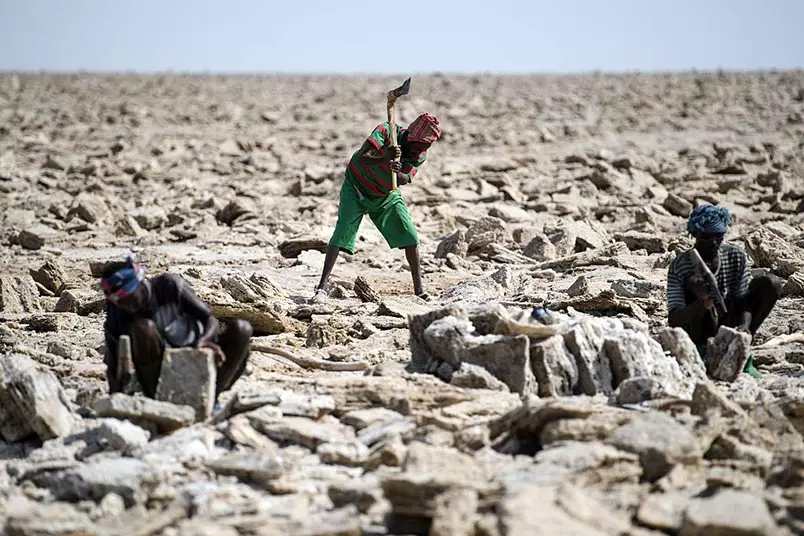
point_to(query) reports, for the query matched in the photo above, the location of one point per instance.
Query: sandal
(423, 296)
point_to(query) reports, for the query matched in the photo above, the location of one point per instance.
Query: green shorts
(389, 214)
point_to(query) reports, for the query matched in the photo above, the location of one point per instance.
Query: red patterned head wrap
(424, 129)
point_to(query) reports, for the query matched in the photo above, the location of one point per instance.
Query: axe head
(404, 89)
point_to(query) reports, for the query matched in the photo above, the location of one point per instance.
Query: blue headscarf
(709, 219)
(123, 282)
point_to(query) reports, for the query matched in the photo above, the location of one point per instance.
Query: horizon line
(432, 73)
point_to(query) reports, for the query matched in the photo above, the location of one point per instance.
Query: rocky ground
(387, 414)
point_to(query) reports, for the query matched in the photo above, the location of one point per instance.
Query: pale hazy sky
(413, 36)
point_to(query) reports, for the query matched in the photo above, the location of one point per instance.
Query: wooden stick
(392, 128)
(310, 363)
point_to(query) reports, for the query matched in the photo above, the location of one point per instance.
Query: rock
(540, 248)
(663, 511)
(301, 431)
(239, 209)
(633, 354)
(51, 276)
(31, 401)
(778, 255)
(167, 416)
(81, 302)
(561, 510)
(363, 418)
(476, 377)
(363, 493)
(260, 466)
(594, 369)
(364, 291)
(727, 354)
(253, 289)
(352, 453)
(18, 295)
(428, 472)
(240, 432)
(562, 236)
(230, 148)
(47, 519)
(283, 402)
(188, 378)
(659, 441)
(127, 477)
(554, 367)
(587, 237)
(52, 322)
(640, 389)
(707, 397)
(88, 207)
(35, 238)
(728, 512)
(454, 513)
(630, 288)
(128, 226)
(794, 286)
(292, 248)
(484, 232)
(507, 357)
(678, 344)
(122, 435)
(149, 217)
(455, 244)
(636, 240)
(385, 431)
(447, 339)
(578, 288)
(677, 206)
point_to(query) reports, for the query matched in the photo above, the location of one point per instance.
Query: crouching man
(164, 312)
(690, 302)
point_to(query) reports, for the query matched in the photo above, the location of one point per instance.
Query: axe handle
(392, 129)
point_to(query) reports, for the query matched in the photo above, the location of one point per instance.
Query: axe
(703, 271)
(394, 94)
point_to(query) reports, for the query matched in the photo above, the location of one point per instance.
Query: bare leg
(329, 264)
(234, 341)
(412, 255)
(763, 293)
(146, 353)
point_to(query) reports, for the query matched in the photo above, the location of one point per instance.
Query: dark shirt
(170, 300)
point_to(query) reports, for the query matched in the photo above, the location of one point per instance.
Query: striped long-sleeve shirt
(375, 180)
(732, 275)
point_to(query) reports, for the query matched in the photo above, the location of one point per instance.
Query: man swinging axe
(388, 158)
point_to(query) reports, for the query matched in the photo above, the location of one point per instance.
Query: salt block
(188, 378)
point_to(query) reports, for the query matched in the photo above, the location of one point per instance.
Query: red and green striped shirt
(375, 180)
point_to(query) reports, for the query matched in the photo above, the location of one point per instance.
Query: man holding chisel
(701, 297)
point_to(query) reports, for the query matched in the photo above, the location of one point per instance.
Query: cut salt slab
(188, 378)
(727, 354)
(31, 401)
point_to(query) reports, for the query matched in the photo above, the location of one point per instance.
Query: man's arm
(371, 156)
(406, 169)
(201, 311)
(110, 359)
(679, 312)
